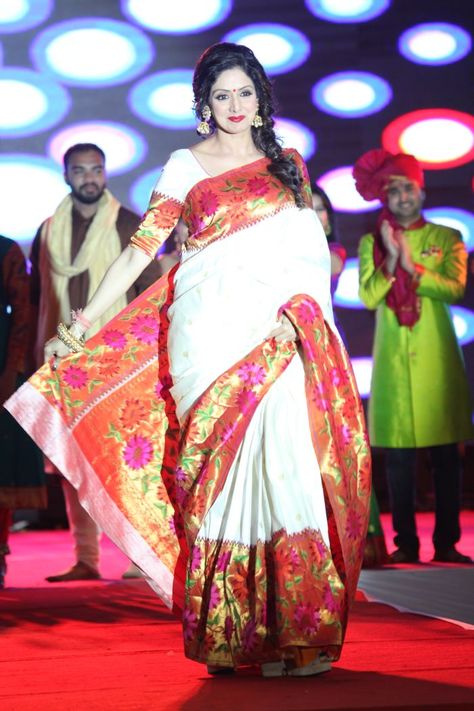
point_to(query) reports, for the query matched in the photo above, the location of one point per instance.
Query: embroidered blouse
(213, 207)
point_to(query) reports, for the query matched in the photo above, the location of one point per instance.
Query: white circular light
(30, 102)
(349, 94)
(172, 100)
(463, 321)
(92, 51)
(435, 43)
(363, 374)
(20, 15)
(280, 48)
(437, 140)
(107, 54)
(347, 10)
(347, 292)
(432, 44)
(178, 17)
(46, 188)
(22, 103)
(294, 135)
(454, 217)
(165, 99)
(123, 147)
(340, 187)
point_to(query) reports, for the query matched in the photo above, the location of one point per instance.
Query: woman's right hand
(54, 348)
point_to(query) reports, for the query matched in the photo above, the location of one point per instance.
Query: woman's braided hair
(226, 55)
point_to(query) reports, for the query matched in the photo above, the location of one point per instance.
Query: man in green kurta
(410, 271)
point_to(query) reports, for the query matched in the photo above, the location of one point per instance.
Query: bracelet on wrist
(75, 345)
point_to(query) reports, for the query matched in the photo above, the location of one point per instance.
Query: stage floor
(111, 644)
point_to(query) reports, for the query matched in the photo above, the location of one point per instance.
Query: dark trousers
(446, 467)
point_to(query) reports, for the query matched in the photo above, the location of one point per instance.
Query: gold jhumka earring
(257, 121)
(204, 128)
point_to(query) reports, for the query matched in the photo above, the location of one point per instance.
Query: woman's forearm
(117, 280)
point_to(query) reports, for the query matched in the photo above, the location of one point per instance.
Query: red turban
(373, 171)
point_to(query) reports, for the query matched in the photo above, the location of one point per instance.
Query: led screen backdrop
(349, 75)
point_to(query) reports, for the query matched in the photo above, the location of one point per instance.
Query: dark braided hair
(226, 55)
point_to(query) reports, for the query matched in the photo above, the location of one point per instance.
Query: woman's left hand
(285, 331)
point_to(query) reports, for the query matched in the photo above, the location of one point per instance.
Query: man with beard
(70, 254)
(410, 272)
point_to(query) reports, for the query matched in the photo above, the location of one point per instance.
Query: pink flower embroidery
(295, 558)
(307, 311)
(209, 202)
(319, 398)
(180, 474)
(145, 329)
(228, 431)
(330, 601)
(196, 558)
(307, 618)
(249, 638)
(196, 225)
(75, 377)
(223, 561)
(345, 435)
(189, 625)
(138, 452)
(353, 525)
(214, 598)
(114, 339)
(258, 186)
(251, 374)
(246, 400)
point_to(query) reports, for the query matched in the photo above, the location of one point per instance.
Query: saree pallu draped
(234, 470)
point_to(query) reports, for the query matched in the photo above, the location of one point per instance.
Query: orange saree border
(107, 420)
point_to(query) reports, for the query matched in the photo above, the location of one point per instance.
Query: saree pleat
(232, 469)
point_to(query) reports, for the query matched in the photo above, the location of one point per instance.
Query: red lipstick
(236, 119)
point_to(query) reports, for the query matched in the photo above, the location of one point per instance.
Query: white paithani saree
(232, 469)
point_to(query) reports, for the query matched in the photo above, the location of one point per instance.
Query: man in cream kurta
(419, 394)
(70, 254)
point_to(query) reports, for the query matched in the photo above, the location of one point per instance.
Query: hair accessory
(204, 128)
(257, 121)
(75, 345)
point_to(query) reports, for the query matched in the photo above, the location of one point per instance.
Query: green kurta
(420, 393)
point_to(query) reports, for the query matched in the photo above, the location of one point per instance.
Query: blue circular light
(178, 17)
(142, 188)
(46, 189)
(21, 16)
(165, 99)
(455, 217)
(30, 102)
(351, 94)
(347, 292)
(347, 10)
(294, 134)
(435, 43)
(92, 51)
(279, 48)
(463, 320)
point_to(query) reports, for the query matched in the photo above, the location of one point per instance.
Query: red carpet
(112, 645)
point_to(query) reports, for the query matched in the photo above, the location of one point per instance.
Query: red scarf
(402, 297)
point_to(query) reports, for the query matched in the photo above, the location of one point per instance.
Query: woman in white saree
(213, 428)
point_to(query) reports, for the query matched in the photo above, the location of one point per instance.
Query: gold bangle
(74, 344)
